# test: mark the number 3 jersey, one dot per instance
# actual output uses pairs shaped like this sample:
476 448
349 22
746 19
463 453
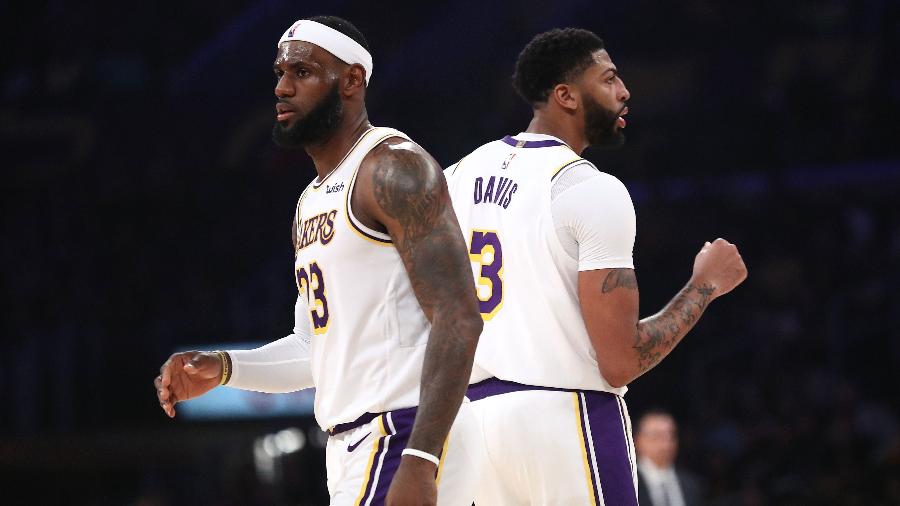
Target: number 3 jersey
368 330
534 214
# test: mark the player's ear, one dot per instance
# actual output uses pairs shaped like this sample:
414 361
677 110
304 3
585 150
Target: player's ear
566 96
354 78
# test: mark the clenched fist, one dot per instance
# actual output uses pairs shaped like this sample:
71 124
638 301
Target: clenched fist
720 265
185 376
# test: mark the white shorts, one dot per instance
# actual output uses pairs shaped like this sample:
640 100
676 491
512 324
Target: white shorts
361 462
553 446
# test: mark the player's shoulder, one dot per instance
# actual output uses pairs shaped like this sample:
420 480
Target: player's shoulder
583 172
397 151
399 165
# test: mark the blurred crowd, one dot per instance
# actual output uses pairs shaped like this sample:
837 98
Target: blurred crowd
145 209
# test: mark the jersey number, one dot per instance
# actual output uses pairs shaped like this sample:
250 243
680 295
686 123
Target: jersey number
318 303
486 251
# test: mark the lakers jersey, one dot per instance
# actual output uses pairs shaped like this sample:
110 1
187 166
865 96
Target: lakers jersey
525 272
368 330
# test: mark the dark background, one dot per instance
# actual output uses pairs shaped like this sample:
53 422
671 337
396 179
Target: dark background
145 208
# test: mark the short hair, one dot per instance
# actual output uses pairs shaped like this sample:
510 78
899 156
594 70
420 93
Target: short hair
551 58
343 26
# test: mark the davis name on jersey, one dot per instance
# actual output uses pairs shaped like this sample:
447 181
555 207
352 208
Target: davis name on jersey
526 276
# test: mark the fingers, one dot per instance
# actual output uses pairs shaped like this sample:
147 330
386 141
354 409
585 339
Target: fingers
165 372
165 397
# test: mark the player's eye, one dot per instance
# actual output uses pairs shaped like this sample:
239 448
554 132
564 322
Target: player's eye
302 72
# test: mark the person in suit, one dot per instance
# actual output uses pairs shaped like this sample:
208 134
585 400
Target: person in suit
660 481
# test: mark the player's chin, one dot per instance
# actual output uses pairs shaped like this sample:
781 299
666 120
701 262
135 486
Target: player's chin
614 139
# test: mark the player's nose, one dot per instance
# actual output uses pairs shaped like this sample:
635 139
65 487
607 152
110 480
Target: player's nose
283 88
624 95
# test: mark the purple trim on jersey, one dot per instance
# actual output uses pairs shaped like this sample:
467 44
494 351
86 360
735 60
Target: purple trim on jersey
547 143
610 448
493 386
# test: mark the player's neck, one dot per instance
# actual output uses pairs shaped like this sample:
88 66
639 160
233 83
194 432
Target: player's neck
327 155
546 124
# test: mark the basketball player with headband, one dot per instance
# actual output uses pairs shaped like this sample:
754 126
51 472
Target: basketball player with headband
387 319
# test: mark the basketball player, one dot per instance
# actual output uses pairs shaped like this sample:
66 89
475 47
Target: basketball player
550 239
386 297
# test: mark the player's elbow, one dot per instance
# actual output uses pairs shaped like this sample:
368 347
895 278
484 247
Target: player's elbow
617 377
470 327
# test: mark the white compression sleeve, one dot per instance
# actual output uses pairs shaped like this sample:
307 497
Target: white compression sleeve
278 367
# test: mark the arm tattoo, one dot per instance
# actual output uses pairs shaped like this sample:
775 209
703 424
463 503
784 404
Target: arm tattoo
410 188
657 335
616 278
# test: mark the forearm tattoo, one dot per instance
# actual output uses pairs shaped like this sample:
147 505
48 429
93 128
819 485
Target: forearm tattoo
410 188
655 336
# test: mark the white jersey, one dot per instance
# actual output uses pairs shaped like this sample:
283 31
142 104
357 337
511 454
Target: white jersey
368 330
534 214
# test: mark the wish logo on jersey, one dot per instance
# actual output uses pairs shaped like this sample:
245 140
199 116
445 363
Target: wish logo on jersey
319 228
496 191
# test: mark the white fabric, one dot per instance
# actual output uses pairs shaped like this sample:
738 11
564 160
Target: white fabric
597 216
662 484
280 366
536 335
369 332
359 456
535 453
346 49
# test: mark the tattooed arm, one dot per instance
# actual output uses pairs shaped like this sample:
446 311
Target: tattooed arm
402 189
626 347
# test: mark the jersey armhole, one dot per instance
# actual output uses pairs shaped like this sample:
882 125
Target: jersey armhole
355 224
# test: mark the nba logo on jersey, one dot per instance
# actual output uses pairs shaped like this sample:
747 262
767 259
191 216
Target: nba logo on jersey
508 159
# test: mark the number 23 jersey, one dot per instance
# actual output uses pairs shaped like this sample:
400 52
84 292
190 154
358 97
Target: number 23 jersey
534 214
368 332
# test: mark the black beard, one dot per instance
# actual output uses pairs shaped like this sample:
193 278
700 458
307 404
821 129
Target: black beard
600 125
315 127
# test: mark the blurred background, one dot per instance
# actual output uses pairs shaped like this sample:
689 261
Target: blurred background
145 210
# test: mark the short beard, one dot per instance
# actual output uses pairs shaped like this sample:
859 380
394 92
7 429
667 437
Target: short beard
315 127
600 125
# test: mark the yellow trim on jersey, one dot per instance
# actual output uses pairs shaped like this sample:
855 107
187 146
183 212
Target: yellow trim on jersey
563 166
365 134
584 449
375 448
350 187
440 469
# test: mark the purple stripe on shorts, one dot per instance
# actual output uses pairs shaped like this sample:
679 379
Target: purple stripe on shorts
381 443
547 143
402 422
611 449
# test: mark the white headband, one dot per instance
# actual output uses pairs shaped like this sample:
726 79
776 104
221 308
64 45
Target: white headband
346 49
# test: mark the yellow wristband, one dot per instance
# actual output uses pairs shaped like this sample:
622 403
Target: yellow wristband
226 371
